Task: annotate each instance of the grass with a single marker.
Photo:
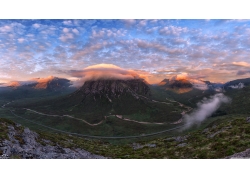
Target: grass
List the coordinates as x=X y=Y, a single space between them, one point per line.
x=139 y=110
x=232 y=135
x=224 y=134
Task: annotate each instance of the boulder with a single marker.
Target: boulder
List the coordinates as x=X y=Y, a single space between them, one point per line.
x=248 y=119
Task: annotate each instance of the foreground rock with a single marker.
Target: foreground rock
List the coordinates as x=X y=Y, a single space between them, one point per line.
x=25 y=145
x=242 y=155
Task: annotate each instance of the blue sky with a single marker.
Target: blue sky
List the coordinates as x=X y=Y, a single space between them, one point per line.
x=215 y=50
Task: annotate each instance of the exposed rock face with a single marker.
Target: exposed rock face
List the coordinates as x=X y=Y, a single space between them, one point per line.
x=240 y=155
x=113 y=88
x=182 y=83
x=25 y=145
x=248 y=119
x=136 y=146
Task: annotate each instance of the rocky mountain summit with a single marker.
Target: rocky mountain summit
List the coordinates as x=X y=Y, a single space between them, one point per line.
x=51 y=84
x=24 y=143
x=111 y=89
x=182 y=83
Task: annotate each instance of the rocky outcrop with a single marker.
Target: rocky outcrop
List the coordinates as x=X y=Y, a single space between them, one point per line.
x=25 y=145
x=241 y=155
x=178 y=138
x=136 y=146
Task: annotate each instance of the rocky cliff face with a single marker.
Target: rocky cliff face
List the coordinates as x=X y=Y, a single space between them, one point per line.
x=111 y=89
x=23 y=143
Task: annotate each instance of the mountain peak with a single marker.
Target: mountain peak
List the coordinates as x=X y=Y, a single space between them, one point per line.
x=111 y=89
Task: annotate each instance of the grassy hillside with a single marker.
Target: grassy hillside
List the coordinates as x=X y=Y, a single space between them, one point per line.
x=221 y=137
x=101 y=114
x=189 y=98
x=240 y=101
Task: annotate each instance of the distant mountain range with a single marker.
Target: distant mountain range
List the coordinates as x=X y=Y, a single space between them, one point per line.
x=36 y=88
x=237 y=84
x=51 y=83
x=186 y=85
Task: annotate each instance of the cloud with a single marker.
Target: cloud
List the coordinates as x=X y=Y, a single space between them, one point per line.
x=13 y=84
x=241 y=63
x=18 y=83
x=205 y=109
x=66 y=37
x=68 y=22
x=102 y=72
x=65 y=30
x=129 y=21
x=143 y=23
x=42 y=82
x=194 y=80
x=36 y=25
x=172 y=30
x=237 y=86
x=220 y=53
x=75 y=31
x=21 y=40
x=158 y=47
x=242 y=72
x=108 y=33
x=5 y=29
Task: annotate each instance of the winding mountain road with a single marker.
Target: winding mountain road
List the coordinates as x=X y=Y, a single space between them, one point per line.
x=63 y=116
x=100 y=137
x=140 y=122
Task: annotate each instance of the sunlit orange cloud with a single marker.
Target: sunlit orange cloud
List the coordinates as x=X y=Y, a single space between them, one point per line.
x=13 y=84
x=241 y=63
x=182 y=76
x=42 y=82
x=111 y=71
x=196 y=82
x=150 y=78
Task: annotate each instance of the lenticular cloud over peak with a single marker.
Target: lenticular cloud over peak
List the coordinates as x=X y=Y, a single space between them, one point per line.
x=103 y=72
x=195 y=81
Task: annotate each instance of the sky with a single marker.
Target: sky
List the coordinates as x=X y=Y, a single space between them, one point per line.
x=214 y=50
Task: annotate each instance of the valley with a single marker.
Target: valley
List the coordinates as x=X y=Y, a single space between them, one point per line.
x=132 y=119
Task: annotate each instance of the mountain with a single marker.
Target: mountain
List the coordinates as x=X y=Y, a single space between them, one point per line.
x=173 y=84
x=105 y=107
x=178 y=86
x=51 y=83
x=38 y=87
x=237 y=84
x=113 y=89
x=214 y=86
x=121 y=96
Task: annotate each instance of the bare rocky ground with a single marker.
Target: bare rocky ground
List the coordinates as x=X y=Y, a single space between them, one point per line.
x=25 y=145
x=241 y=155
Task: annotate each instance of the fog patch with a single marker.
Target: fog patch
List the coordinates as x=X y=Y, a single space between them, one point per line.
x=205 y=109
x=237 y=86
